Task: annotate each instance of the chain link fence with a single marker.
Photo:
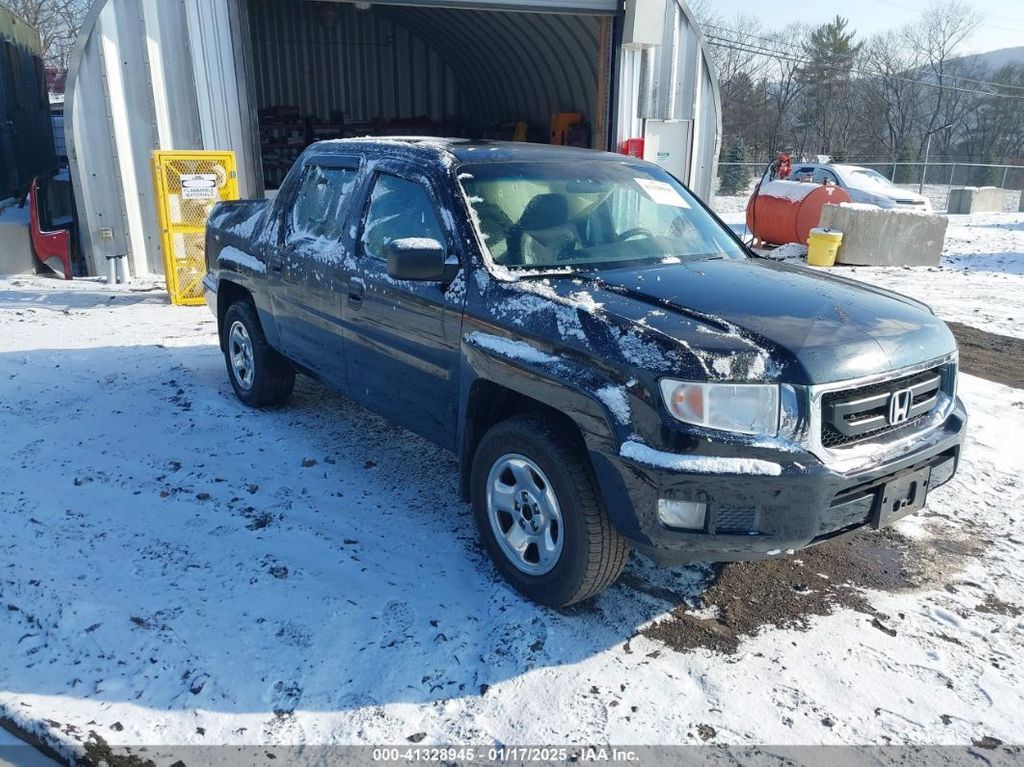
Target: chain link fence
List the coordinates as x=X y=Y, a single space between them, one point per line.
x=936 y=178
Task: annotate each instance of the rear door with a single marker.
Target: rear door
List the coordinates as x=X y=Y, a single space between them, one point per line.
x=317 y=243
x=402 y=342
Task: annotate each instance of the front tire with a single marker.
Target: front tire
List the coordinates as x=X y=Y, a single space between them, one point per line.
x=540 y=515
x=259 y=375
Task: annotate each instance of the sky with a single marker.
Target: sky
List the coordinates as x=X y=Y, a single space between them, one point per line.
x=1002 y=25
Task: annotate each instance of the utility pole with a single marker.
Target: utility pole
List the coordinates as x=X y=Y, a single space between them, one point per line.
x=927 y=150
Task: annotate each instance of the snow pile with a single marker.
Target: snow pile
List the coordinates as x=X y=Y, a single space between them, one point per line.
x=795 y=191
x=898 y=211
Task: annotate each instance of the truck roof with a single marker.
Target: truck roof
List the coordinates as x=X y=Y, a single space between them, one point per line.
x=463 y=150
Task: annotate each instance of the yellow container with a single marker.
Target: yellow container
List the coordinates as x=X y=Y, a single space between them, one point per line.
x=823 y=246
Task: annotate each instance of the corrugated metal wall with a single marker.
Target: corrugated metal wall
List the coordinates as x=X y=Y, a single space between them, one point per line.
x=684 y=88
x=326 y=58
x=133 y=89
x=514 y=66
x=391 y=62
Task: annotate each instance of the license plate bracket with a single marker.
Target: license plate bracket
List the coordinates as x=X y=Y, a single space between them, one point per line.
x=902 y=496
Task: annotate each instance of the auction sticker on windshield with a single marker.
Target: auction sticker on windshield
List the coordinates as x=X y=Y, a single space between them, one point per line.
x=662 y=193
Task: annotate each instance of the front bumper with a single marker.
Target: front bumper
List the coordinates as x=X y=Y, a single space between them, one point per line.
x=757 y=516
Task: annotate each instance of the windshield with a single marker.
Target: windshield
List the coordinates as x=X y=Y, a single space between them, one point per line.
x=588 y=215
x=871 y=177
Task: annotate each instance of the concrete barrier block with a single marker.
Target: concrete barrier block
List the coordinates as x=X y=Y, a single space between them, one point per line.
x=876 y=237
x=15 y=244
x=975 y=199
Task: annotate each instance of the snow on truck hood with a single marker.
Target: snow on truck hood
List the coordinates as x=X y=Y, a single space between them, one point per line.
x=804 y=327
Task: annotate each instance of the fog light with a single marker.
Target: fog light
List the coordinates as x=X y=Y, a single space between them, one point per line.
x=688 y=515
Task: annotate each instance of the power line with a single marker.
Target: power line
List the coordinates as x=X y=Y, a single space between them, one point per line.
x=776 y=52
x=918 y=9
x=743 y=47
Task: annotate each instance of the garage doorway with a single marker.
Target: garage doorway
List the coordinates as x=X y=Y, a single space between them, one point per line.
x=324 y=70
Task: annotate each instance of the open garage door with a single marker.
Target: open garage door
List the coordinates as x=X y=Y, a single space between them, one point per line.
x=325 y=70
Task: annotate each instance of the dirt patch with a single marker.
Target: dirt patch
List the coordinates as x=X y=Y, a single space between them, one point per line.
x=98 y=752
x=787 y=592
x=996 y=606
x=987 y=355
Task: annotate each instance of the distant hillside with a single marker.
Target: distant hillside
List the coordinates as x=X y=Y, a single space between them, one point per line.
x=999 y=58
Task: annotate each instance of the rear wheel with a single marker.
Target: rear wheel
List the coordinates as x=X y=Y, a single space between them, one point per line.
x=540 y=515
x=259 y=375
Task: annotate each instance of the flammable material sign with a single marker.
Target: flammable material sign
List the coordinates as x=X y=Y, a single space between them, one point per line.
x=199 y=186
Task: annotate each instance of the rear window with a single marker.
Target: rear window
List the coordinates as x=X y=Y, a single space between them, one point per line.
x=318 y=212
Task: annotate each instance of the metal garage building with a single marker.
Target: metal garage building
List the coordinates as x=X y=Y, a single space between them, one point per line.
x=265 y=77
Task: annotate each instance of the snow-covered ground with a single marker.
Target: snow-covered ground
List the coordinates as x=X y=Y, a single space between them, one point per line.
x=177 y=569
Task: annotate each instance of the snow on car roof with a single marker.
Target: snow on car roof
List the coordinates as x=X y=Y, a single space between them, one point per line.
x=471 y=150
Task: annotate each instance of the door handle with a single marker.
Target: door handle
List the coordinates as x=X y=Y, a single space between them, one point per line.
x=275 y=263
x=356 y=291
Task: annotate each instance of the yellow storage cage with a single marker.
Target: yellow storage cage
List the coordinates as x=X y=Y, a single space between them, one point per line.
x=188 y=184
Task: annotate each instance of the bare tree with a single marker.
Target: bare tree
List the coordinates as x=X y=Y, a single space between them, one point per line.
x=937 y=38
x=783 y=88
x=892 y=93
x=58 y=23
x=818 y=90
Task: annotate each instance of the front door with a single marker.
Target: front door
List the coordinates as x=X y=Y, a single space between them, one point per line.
x=402 y=342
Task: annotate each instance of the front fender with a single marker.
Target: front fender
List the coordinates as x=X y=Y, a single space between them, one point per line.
x=599 y=405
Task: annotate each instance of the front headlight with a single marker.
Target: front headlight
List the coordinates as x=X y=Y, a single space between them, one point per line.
x=741 y=408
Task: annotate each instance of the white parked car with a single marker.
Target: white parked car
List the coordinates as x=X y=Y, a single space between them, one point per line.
x=863 y=184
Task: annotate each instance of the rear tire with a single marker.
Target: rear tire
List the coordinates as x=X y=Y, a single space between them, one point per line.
x=259 y=375
x=526 y=475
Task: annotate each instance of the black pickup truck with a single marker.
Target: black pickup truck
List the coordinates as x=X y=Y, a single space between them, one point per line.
x=614 y=368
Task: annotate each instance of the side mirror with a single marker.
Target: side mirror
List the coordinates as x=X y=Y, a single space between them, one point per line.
x=419 y=259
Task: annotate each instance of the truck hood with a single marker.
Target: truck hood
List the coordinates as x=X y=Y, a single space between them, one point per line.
x=806 y=327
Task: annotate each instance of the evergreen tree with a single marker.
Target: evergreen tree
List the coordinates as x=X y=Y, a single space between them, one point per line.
x=982 y=176
x=826 y=83
x=905 y=172
x=733 y=177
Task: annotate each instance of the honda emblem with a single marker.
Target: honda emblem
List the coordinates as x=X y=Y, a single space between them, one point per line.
x=900 y=404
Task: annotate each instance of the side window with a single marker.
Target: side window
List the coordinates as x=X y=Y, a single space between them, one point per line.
x=398 y=209
x=319 y=208
x=821 y=176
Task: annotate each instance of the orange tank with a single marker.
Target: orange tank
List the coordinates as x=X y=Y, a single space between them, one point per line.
x=781 y=212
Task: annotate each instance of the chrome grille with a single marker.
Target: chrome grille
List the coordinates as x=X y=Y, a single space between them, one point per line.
x=855 y=415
